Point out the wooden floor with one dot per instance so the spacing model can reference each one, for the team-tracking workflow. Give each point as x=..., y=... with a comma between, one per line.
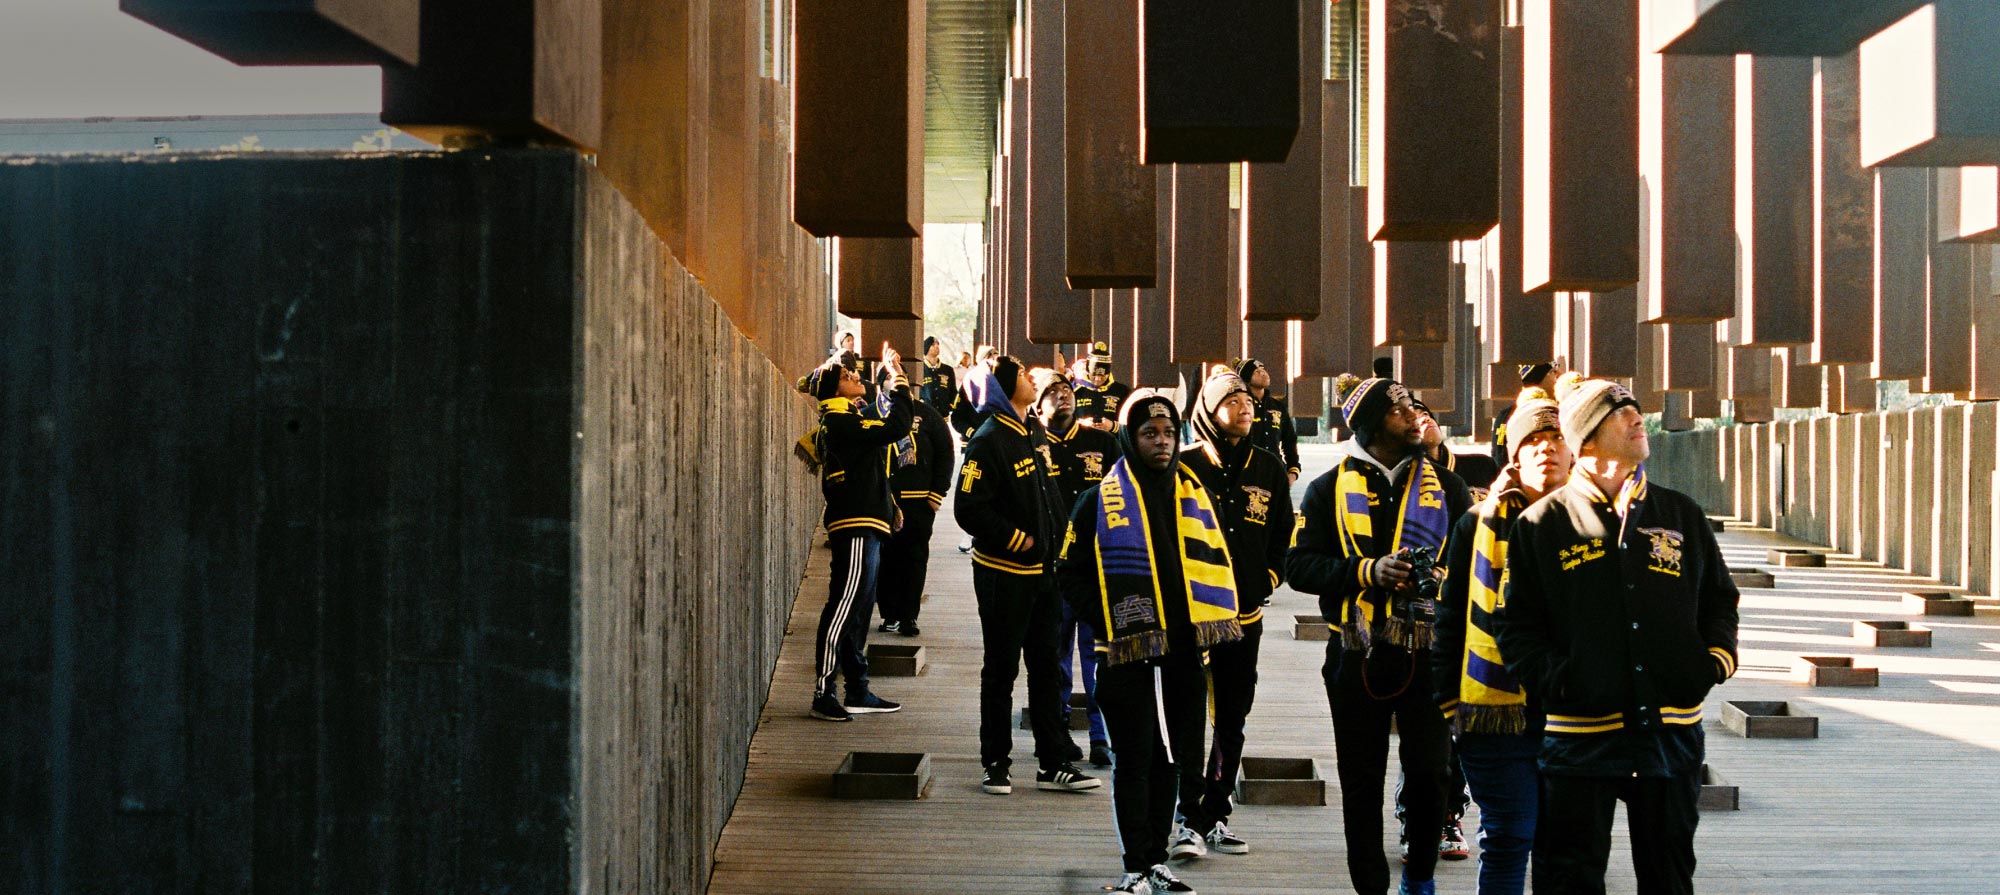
x=1897, y=795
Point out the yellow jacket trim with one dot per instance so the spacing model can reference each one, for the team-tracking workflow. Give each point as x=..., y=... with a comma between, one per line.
x=863, y=522
x=1580, y=724
x=1010, y=567
x=1728, y=661
x=1256, y=615
x=1671, y=715
x=1274, y=578
x=917, y=495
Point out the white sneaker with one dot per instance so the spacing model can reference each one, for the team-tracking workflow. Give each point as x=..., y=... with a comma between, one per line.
x=1186, y=844
x=1225, y=842
x=1164, y=880
x=1132, y=884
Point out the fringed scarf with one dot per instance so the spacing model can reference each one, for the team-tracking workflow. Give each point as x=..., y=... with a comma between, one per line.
x=1134, y=612
x=1422, y=520
x=906, y=448
x=1490, y=700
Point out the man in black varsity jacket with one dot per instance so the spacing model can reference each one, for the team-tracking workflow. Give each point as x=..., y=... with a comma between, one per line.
x=854, y=451
x=1274, y=431
x=1252, y=492
x=1619, y=615
x=1010, y=502
x=919, y=487
x=940, y=384
x=1541, y=379
x=1082, y=455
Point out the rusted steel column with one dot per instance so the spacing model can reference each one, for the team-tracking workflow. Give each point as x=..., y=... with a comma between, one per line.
x=1361, y=348
x=1268, y=341
x=858, y=117
x=1985, y=325
x=1844, y=226
x=1689, y=161
x=1774, y=195
x=1433, y=140
x=1523, y=323
x=1110, y=197
x=1580, y=148
x=1056, y=312
x=289, y=32
x=1014, y=323
x=1902, y=261
x=1948, y=313
x=1927, y=88
x=1422, y=367
x=1849, y=389
x=1795, y=383
x=1687, y=363
x=1610, y=335
x=1412, y=285
x=1203, y=315
x=1281, y=202
x=906, y=336
x=1153, y=334
x=880, y=278
x=1221, y=80
x=1324, y=340
x=511, y=69
x=1771, y=27
x=1978, y=218
x=1750, y=384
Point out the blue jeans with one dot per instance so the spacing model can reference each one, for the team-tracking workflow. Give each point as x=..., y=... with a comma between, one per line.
x=1075, y=643
x=1505, y=782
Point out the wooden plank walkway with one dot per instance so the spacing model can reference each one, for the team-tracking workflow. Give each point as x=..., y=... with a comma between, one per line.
x=1893, y=797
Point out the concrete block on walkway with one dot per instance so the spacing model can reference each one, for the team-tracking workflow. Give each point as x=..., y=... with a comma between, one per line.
x=1752, y=578
x=1079, y=713
x=896, y=659
x=1937, y=603
x=1717, y=794
x=1833, y=671
x=1885, y=633
x=883, y=775
x=1796, y=557
x=1768, y=720
x=1311, y=627
x=1279, y=781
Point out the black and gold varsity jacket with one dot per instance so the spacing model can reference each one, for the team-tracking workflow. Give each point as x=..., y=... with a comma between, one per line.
x=857, y=450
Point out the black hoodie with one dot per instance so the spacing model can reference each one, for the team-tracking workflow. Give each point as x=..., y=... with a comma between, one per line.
x=1253, y=497
x=1077, y=573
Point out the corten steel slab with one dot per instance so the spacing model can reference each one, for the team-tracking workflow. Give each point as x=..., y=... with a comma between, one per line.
x=1939, y=604
x=1793, y=557
x=896, y=659
x=1057, y=313
x=1774, y=194
x=1674, y=411
x=1221, y=80
x=1978, y=218
x=1688, y=363
x=1690, y=168
x=1361, y=348
x=1833, y=671
x=1421, y=367
x=1323, y=340
x=882, y=775
x=510, y=69
x=1948, y=318
x=1268, y=341
x=1849, y=389
x=1930, y=88
x=1152, y=336
x=1433, y=140
x=1580, y=147
x=1758, y=720
x=651, y=89
x=1279, y=781
x=1199, y=260
x=1412, y=289
x=1609, y=335
x=1124, y=322
x=880, y=278
x=1013, y=334
x=906, y=336
x=1795, y=383
x=1311, y=627
x=1717, y=794
x=1902, y=265
x=1752, y=578
x=1985, y=325
x=858, y=119
x=1079, y=713
x=1524, y=327
x=289, y=32
x=1771, y=27
x=1750, y=382
x=1109, y=195
x=1888, y=634
x=1844, y=219
x=1281, y=206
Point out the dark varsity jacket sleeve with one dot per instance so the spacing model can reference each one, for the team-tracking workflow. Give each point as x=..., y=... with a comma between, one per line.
x=1448, y=643
x=1716, y=610
x=1317, y=564
x=863, y=430
x=1288, y=443
x=1282, y=521
x=937, y=436
x=1527, y=639
x=1076, y=570
x=977, y=504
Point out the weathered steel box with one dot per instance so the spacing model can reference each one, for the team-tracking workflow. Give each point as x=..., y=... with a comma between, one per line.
x=1768, y=720
x=1752, y=578
x=1079, y=713
x=1279, y=781
x=1936, y=603
x=1715, y=524
x=1891, y=633
x=1717, y=794
x=1796, y=558
x=1833, y=671
x=895, y=659
x=882, y=775
x=1310, y=627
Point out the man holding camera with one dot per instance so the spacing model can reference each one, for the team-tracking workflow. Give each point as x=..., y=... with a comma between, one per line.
x=1373, y=528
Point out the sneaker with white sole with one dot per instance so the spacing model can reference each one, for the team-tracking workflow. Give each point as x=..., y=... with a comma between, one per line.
x=1066, y=778
x=996, y=782
x=870, y=704
x=1451, y=846
x=1132, y=884
x=1225, y=842
x=1186, y=844
x=1164, y=880
x=827, y=708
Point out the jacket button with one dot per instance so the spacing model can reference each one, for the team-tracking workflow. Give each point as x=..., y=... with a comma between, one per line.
x=1635, y=626
x=1638, y=668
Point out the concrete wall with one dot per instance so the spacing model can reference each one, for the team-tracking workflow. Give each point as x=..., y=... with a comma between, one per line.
x=1912, y=488
x=396, y=523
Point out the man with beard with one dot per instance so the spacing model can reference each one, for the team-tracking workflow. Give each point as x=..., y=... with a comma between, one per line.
x=1497, y=722
x=1010, y=502
x=1251, y=490
x=1619, y=616
x=1146, y=564
x=1082, y=454
x=1364, y=520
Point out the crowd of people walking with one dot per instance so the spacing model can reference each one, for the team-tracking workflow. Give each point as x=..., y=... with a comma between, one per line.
x=1539, y=627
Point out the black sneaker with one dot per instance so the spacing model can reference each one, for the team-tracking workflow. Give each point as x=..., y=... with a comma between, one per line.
x=888, y=627
x=1164, y=880
x=1066, y=778
x=1072, y=753
x=827, y=708
x=1132, y=884
x=996, y=781
x=870, y=704
x=908, y=629
x=1100, y=755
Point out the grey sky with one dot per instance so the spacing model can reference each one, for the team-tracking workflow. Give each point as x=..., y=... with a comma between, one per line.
x=84, y=58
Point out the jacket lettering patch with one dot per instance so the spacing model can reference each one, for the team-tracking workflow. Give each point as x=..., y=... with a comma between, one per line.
x=1024, y=467
x=1666, y=555
x=968, y=476
x=1258, y=507
x=1093, y=464
x=1580, y=553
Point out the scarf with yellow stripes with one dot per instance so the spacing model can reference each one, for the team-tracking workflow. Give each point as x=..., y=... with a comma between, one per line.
x=1422, y=520
x=1490, y=700
x=1134, y=611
